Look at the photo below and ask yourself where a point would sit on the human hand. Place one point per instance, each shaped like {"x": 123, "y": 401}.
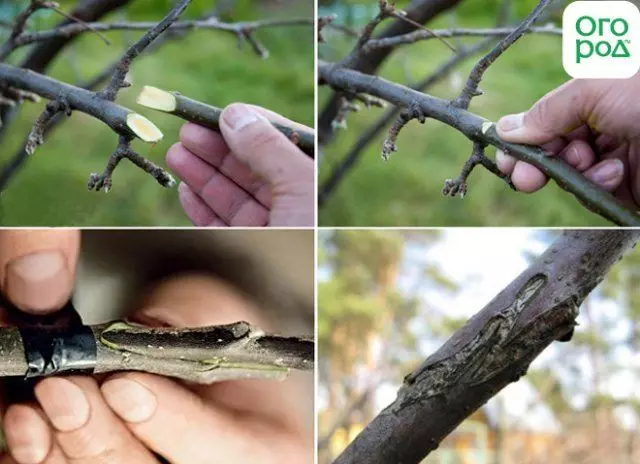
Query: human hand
{"x": 135, "y": 417}
{"x": 248, "y": 174}
{"x": 592, "y": 125}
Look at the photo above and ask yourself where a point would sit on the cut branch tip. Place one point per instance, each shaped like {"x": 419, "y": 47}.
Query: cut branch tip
{"x": 144, "y": 129}
{"x": 157, "y": 99}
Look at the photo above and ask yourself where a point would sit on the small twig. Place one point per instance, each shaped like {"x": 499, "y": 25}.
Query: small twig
{"x": 119, "y": 76}
{"x": 36, "y": 136}
{"x": 459, "y": 186}
{"x": 247, "y": 36}
{"x": 471, "y": 87}
{"x": 209, "y": 116}
{"x": 346, "y": 106}
{"x": 104, "y": 181}
{"x": 324, "y": 21}
{"x": 401, "y": 15}
{"x": 421, "y": 35}
{"x": 389, "y": 144}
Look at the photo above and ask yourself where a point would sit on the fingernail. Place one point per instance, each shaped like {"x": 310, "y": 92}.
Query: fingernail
{"x": 64, "y": 403}
{"x": 608, "y": 171}
{"x": 511, "y": 122}
{"x": 239, "y": 116}
{"x": 38, "y": 281}
{"x": 129, "y": 399}
{"x": 31, "y": 454}
{"x": 505, "y": 162}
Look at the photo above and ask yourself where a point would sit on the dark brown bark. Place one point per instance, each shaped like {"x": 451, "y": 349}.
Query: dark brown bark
{"x": 493, "y": 349}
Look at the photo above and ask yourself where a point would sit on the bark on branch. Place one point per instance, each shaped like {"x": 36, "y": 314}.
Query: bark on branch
{"x": 203, "y": 355}
{"x": 120, "y": 119}
{"x": 493, "y": 349}
{"x": 419, "y": 11}
{"x": 479, "y": 129}
{"x": 421, "y": 35}
{"x": 209, "y": 116}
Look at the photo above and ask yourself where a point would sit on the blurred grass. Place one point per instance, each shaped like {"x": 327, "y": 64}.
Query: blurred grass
{"x": 205, "y": 65}
{"x": 406, "y": 191}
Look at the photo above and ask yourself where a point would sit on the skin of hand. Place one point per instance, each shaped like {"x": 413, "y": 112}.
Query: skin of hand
{"x": 248, "y": 174}
{"x": 135, "y": 417}
{"x": 592, "y": 125}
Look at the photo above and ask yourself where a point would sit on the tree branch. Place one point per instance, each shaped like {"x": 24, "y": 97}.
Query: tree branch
{"x": 237, "y": 28}
{"x": 470, "y": 89}
{"x": 419, "y": 11}
{"x": 118, "y": 118}
{"x": 209, "y": 116}
{"x": 493, "y": 349}
{"x": 479, "y": 129}
{"x": 203, "y": 355}
{"x": 351, "y": 159}
{"x": 44, "y": 53}
{"x": 421, "y": 35}
{"x": 120, "y": 74}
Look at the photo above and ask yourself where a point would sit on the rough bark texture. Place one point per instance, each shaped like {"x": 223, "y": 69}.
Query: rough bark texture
{"x": 203, "y": 355}
{"x": 420, "y": 11}
{"x": 493, "y": 349}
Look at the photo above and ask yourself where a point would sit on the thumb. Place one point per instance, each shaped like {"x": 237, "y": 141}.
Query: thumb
{"x": 255, "y": 142}
{"x": 557, "y": 113}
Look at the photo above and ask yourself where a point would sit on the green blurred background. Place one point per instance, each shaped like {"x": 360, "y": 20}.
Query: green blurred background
{"x": 206, "y": 65}
{"x": 406, "y": 191}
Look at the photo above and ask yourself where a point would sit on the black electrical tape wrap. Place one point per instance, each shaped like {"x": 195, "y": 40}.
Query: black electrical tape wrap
{"x": 50, "y": 351}
{"x": 56, "y": 343}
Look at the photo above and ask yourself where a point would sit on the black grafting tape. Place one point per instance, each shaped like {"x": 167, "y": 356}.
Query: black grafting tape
{"x": 51, "y": 351}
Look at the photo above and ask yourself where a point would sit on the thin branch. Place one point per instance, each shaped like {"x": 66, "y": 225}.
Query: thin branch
{"x": 389, "y": 144}
{"x": 470, "y": 89}
{"x": 209, "y": 116}
{"x": 104, "y": 181}
{"x": 458, "y": 186}
{"x": 202, "y": 355}
{"x": 494, "y": 348}
{"x": 479, "y": 129}
{"x": 119, "y": 76}
{"x": 421, "y": 35}
{"x": 353, "y": 156}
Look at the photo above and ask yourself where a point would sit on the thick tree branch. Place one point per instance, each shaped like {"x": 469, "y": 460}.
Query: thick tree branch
{"x": 120, "y": 119}
{"x": 421, "y": 35}
{"x": 209, "y": 116}
{"x": 45, "y": 53}
{"x": 203, "y": 355}
{"x": 493, "y": 349}
{"x": 419, "y": 11}
{"x": 353, "y": 156}
{"x": 479, "y": 129}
